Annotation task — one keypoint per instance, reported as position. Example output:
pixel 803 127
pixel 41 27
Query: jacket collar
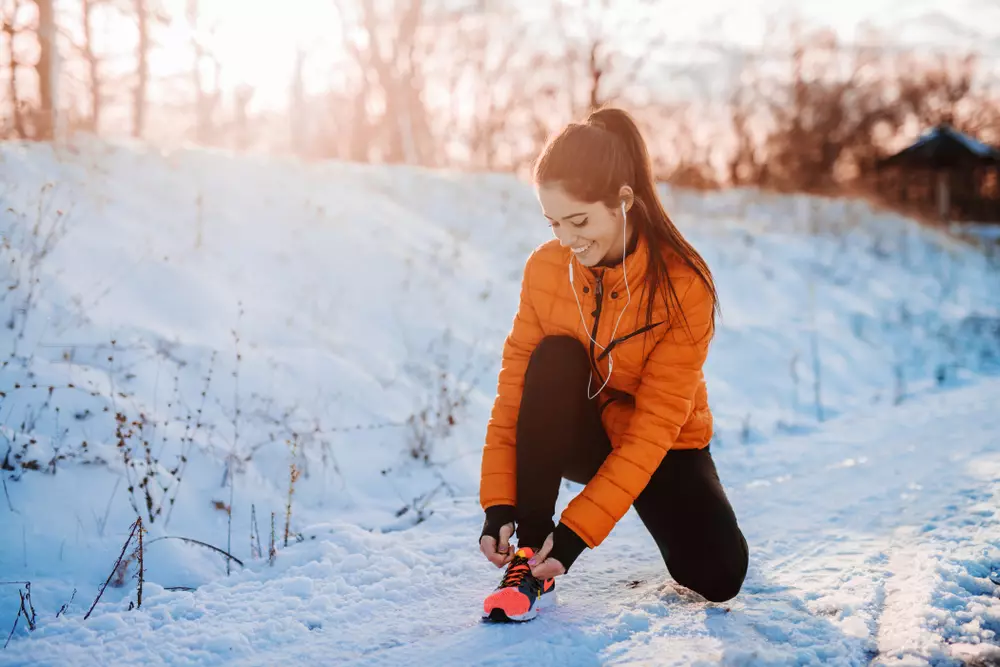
pixel 613 277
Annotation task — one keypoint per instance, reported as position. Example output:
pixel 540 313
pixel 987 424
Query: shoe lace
pixel 516 572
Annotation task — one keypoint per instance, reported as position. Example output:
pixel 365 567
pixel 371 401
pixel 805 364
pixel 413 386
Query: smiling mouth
pixel 581 250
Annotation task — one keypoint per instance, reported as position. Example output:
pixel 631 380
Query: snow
pixel 359 296
pixel 986 233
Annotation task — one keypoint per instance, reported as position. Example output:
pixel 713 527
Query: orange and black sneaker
pixel 520 594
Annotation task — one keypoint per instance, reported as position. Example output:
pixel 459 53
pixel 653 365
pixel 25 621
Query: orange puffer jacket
pixel 660 369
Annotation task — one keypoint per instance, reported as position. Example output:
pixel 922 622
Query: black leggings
pixel 684 507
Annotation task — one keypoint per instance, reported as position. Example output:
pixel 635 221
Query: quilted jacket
pixel 655 400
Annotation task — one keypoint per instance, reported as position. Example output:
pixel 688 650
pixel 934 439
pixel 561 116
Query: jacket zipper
pixel 599 291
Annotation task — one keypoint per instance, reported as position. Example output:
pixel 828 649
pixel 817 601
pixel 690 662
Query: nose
pixel 566 238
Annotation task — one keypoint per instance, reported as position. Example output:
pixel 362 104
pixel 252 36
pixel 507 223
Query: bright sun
pixel 256 44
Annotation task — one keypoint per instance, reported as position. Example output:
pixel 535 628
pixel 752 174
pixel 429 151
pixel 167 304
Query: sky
pixel 257 45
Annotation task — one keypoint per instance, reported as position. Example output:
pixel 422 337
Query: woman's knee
pixel 558 359
pixel 553 402
pixel 721 589
pixel 718 577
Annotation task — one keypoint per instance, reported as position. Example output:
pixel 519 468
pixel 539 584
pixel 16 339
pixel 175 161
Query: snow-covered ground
pixel 247 314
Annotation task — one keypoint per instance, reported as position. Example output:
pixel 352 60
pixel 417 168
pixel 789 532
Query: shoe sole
pixel 498 615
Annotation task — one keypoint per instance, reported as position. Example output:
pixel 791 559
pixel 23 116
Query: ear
pixel 626 195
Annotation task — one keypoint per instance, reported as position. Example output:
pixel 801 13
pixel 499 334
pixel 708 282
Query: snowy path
pixel 873 538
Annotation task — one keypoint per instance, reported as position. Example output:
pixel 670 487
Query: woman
pixel 601 383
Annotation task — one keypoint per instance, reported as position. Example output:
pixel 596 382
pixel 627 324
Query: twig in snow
pixel 814 344
pixel 272 550
pixel 31 250
pixel 255 550
pixel 16 619
pixel 67 604
pixel 136 525
pixel 229 514
pixel 142 569
pixel 187 440
pixel 229 556
pixel 364 427
pixel 7 494
pixel 22 610
pixel 111 376
pixel 236 435
pixel 293 476
pixel 103 523
pixel 26 597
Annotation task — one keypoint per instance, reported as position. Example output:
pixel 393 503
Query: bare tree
pixel 388 46
pixel 933 88
pixel 11 27
pixel 206 101
pixel 48 70
pixel 598 71
pixel 745 165
pixel 685 160
pixel 835 106
pixel 486 61
pixel 241 100
pixel 139 91
pixel 93 63
pixel 297 105
pixel 147 14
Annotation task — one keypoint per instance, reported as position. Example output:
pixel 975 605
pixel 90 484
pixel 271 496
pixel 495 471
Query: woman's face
pixel 591 230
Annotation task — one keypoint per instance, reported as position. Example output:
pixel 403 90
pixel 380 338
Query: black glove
pixel 497 517
pixel 566 545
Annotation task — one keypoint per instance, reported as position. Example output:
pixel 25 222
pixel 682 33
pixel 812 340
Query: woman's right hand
pixel 498 553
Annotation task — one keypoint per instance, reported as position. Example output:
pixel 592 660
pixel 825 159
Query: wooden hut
pixel 947 172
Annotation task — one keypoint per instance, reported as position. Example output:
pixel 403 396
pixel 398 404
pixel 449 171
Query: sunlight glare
pixel 257 44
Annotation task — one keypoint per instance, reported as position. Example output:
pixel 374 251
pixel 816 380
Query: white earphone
pixel 583 320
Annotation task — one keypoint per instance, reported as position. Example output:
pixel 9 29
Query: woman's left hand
pixel 543 567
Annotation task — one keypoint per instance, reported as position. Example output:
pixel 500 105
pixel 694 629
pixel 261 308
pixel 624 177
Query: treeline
pixel 481 86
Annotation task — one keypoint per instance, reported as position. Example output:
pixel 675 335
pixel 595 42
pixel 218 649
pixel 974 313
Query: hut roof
pixel 944 147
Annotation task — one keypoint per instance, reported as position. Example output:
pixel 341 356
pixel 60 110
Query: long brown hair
pixel 592 161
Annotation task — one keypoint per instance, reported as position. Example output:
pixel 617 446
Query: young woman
pixel 601 383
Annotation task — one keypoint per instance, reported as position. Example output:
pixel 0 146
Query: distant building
pixel 945 174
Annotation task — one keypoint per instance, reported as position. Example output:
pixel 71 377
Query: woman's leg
pixel 685 509
pixel 559 433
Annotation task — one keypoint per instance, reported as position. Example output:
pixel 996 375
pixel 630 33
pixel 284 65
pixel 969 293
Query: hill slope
pixel 348 319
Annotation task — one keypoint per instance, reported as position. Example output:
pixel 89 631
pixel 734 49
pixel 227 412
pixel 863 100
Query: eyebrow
pixel 574 215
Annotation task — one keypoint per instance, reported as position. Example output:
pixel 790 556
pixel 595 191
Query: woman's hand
pixel 543 567
pixel 502 553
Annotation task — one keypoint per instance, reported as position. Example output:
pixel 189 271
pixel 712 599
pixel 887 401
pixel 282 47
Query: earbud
pixel 614 332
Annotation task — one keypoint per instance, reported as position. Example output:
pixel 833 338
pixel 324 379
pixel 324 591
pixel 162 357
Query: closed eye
pixel 571 220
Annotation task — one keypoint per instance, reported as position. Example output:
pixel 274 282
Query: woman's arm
pixel 499 466
pixel 664 401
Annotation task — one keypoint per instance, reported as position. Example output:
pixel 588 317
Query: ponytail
pixel 592 161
